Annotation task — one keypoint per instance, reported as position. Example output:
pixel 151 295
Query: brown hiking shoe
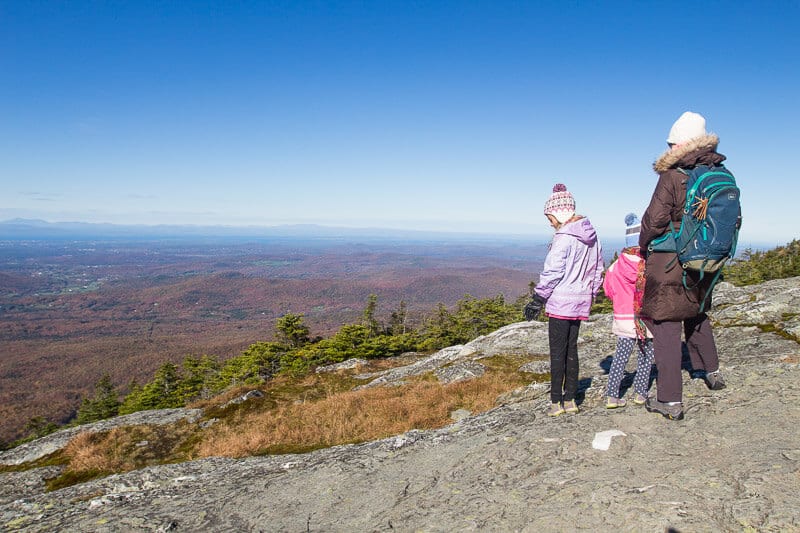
pixel 673 412
pixel 714 380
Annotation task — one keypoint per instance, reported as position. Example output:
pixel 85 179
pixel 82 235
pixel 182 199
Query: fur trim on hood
pixel 672 156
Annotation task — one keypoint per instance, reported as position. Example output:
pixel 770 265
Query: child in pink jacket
pixel 619 286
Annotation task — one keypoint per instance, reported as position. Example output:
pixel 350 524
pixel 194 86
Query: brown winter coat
pixel 665 297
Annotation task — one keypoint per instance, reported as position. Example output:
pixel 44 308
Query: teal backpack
pixel 712 216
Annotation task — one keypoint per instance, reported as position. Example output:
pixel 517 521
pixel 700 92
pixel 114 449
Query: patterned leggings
pixel 644 361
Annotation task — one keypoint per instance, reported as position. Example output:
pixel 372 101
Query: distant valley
pixel 73 307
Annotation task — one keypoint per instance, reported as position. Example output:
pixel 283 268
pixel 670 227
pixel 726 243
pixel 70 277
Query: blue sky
pixel 423 115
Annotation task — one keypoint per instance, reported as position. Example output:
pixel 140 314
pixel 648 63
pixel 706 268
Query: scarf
pixel 638 294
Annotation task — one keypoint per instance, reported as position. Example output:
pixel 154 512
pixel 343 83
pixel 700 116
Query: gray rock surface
pixel 536 367
pixel 732 465
pixel 249 395
pixel 31 451
pixel 353 362
pixel 461 371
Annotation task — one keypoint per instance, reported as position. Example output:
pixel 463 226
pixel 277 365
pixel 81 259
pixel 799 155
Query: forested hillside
pixel 758 266
pixel 72 311
pixel 380 331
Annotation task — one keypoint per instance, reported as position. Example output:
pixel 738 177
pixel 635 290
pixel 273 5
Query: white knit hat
pixel 561 204
pixel 687 127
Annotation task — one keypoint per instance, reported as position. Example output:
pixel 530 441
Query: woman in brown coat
pixel 668 305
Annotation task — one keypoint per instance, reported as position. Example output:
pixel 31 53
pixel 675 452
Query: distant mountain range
pixel 25 229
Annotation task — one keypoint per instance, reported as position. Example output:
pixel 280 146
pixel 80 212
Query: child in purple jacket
pixel 620 285
pixel 567 286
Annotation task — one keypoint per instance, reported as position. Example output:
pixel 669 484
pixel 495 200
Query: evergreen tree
pixel 258 363
pixel 346 343
pixel 368 318
pixel 472 318
pixel 39 426
pixel 602 303
pixel 161 393
pixel 291 329
pixel 397 322
pixel 475 317
pixel 104 404
pixel 439 330
pixel 531 288
pixel 756 267
pixel 197 379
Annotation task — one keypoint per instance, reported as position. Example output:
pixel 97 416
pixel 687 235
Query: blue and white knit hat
pixel 632 228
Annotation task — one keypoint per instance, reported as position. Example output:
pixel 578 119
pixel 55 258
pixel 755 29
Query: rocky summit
pixel 733 464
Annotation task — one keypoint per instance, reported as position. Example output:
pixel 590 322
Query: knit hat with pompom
pixel 632 229
pixel 561 204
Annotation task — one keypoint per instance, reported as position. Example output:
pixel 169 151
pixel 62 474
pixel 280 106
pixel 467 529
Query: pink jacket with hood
pixel 619 286
pixel 573 271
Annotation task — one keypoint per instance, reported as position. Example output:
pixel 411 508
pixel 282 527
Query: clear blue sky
pixel 426 115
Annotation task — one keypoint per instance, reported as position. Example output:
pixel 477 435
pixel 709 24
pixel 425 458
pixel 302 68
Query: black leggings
pixel 563 359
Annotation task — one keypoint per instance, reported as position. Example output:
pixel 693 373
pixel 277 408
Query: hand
pixel 534 307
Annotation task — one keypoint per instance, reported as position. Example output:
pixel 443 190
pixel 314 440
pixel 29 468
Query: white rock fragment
pixel 99 502
pixel 602 439
pixel 459 414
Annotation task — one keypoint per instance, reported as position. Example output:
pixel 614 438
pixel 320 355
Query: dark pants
pixel 667 344
pixel 563 359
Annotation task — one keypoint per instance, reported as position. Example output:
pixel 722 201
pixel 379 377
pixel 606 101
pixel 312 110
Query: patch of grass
pixel 387 363
pixel 295 415
pixel 353 416
pixel 311 387
pixel 772 328
pixel 282 449
pixel 279 391
pixel 73 477
pixel 508 367
pixel 427 377
pixel 56 458
pixel 91 455
pixel 507 364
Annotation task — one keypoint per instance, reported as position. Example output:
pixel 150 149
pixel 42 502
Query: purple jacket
pixel 573 270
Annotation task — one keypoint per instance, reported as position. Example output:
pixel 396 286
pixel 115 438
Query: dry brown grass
pixel 96 451
pixel 121 449
pixel 352 416
pixel 295 415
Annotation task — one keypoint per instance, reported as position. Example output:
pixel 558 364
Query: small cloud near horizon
pixel 42 196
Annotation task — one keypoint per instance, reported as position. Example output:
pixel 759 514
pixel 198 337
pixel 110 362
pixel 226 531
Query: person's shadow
pixel 686 363
pixel 628 377
pixel 583 385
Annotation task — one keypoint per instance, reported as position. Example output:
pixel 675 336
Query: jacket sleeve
pixel 608 281
pixel 598 274
pixel 657 216
pixel 555 265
